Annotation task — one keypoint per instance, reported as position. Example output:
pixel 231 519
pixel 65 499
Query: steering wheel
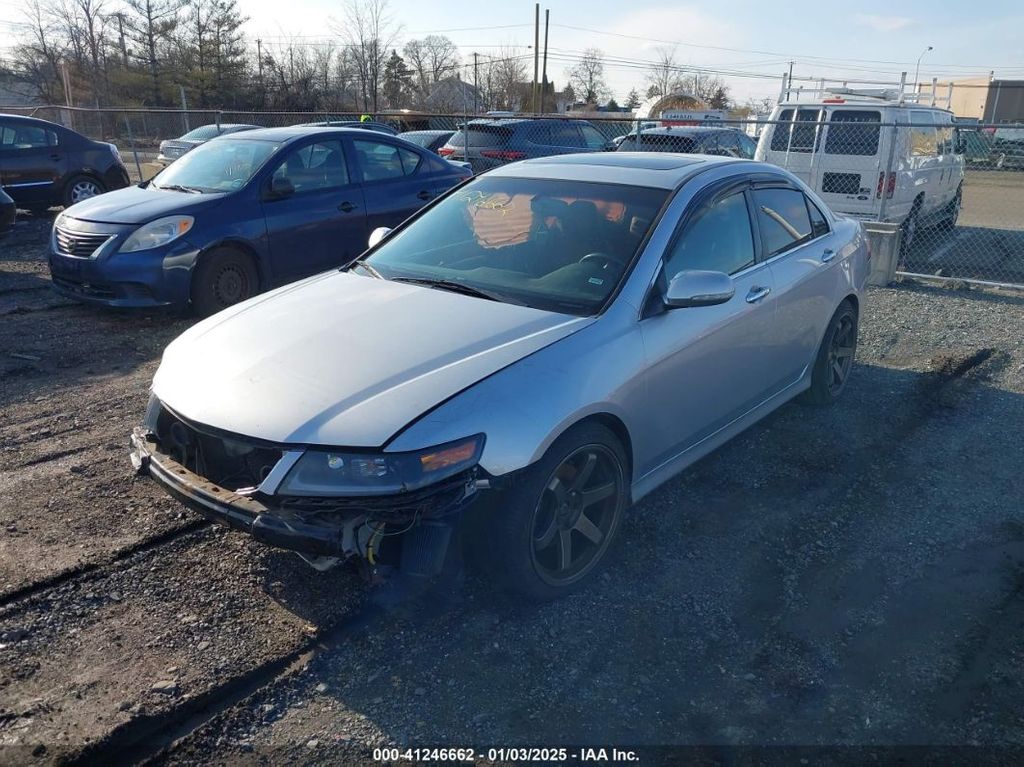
pixel 603 259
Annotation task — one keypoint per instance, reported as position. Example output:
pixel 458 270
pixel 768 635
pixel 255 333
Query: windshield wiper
pixel 181 188
pixel 368 268
pixel 460 287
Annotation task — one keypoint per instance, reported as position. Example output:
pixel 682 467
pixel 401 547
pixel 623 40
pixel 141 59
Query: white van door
pixel 852 159
pixel 793 140
pixel 925 164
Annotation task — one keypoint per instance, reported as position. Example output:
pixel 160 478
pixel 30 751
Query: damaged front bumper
pixel 321 530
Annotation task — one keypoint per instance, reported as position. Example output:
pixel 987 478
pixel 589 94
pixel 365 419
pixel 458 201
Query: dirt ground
pixel 843 576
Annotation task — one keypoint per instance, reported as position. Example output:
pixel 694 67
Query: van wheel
pixel 909 228
pixel 953 211
pixel 835 358
pixel 223 277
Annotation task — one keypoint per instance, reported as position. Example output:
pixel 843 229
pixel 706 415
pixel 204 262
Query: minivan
pixel 842 146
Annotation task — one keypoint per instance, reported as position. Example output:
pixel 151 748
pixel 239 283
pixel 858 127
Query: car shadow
pixel 832 575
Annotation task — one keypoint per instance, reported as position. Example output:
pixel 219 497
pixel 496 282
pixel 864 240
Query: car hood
pixel 138 205
pixel 344 360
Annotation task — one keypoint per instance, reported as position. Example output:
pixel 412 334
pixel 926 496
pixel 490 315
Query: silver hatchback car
pixel 514 365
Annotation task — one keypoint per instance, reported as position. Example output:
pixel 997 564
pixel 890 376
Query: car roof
pixel 651 169
pixel 688 130
pixel 28 119
pixel 431 132
pixel 295 132
pixel 513 121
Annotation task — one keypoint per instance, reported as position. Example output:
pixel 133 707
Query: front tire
pixel 224 277
pixel 550 532
pixel 835 358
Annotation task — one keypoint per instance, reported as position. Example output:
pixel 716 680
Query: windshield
pixel 550 244
pixel 223 165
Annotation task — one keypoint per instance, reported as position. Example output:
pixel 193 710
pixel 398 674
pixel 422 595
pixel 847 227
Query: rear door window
pixel 799 135
pixel 783 219
pixel 853 132
pixel 380 161
pixel 592 137
pixel 564 134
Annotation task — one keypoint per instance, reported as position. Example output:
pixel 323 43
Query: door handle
pixel 827 255
pixel 346 207
pixel 757 293
pixel 424 195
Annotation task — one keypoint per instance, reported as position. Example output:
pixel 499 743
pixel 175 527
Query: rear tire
pixel 952 212
pixel 80 188
pixel 834 363
pixel 910 228
pixel 224 277
pixel 550 532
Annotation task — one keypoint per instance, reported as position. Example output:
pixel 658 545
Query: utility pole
pixel 259 64
pixel 476 83
pixel 536 52
pixel 67 93
pixel 789 80
pixel 544 76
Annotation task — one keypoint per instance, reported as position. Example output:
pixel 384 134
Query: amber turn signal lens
pixel 448 457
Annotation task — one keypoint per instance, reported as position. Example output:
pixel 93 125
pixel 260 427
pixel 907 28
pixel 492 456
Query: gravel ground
pixel 849 575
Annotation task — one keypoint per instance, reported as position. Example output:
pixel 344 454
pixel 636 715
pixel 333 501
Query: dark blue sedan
pixel 241 214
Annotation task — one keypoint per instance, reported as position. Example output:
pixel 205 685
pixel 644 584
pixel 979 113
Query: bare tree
pixel 369 33
pixel 432 58
pixel 709 89
pixel 37 59
pixel 664 76
pixel 587 76
pixel 501 79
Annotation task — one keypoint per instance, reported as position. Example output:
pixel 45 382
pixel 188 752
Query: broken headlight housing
pixel 340 473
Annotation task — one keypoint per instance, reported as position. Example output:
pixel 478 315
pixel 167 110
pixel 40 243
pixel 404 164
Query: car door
pixel 801 250
pixel 396 180
pixel 31 162
pixel 321 222
pixel 706 365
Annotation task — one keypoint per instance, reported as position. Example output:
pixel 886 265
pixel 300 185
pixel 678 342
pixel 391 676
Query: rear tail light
pixel 889 184
pixel 446 151
pixel 504 155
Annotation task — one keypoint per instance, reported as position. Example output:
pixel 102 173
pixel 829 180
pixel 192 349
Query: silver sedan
pixel 513 366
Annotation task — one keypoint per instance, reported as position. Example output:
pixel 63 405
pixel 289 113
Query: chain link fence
pixel 956 191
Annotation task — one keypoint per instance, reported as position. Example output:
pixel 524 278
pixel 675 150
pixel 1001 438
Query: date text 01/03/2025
pixel 515 753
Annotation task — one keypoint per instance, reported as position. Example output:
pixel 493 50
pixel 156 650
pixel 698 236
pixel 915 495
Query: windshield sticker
pixel 482 201
pixel 595 281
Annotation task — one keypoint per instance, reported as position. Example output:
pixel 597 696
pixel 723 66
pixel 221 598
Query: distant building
pixel 981 98
pixel 453 95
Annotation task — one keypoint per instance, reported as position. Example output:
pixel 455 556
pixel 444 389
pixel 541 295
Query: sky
pixel 751 40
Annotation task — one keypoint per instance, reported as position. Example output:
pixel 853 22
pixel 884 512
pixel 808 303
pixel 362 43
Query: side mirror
pixel 609 146
pixel 280 187
pixel 377 235
pixel 692 288
pixel 960 146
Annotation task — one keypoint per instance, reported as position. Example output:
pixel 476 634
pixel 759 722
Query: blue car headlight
pixel 327 473
pixel 157 233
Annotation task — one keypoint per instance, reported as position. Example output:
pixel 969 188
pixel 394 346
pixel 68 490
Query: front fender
pixel 524 407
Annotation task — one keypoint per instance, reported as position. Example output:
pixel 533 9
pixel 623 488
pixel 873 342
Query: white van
pixel 842 146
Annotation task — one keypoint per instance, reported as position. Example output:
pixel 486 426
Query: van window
pixel 803 131
pixel 923 140
pixel 853 132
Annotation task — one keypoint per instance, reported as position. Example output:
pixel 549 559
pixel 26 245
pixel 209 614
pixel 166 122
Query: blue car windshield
pixel 220 165
pixel 550 244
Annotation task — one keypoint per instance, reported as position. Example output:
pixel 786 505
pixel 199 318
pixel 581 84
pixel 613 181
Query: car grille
pixel 79 244
pixel 226 460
